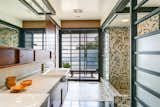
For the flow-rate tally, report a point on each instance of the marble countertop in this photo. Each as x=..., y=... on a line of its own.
x=37, y=93
x=42, y=82
x=22, y=100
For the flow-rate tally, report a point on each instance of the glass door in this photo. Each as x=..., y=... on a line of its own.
x=80, y=50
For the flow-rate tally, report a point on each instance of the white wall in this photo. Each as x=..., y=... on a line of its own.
x=107, y=7
x=10, y=19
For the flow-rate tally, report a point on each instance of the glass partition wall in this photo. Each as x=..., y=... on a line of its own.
x=80, y=51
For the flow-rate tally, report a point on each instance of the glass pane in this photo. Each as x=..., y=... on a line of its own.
x=83, y=54
x=66, y=55
x=148, y=98
x=75, y=36
x=151, y=62
x=37, y=41
x=75, y=39
x=92, y=35
x=28, y=40
x=66, y=39
x=149, y=44
x=66, y=51
x=66, y=43
x=65, y=59
x=152, y=81
x=139, y=105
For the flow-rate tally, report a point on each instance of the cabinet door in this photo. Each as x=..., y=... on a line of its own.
x=7, y=56
x=26, y=56
x=64, y=85
x=56, y=96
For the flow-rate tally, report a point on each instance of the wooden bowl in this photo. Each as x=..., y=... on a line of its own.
x=17, y=88
x=26, y=82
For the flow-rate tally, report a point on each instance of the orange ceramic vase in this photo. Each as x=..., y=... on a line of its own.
x=10, y=81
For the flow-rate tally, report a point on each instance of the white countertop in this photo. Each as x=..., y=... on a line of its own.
x=36, y=94
x=42, y=83
x=22, y=100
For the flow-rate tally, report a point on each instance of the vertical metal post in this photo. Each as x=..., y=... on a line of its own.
x=71, y=36
x=100, y=49
x=133, y=33
x=85, y=52
x=21, y=38
x=43, y=41
x=60, y=48
x=79, y=56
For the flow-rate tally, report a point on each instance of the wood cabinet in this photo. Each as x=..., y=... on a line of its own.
x=26, y=56
x=10, y=56
x=7, y=56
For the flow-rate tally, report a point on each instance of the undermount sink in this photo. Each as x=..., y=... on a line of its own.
x=55, y=72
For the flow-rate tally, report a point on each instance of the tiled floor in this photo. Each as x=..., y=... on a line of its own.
x=83, y=76
x=87, y=104
x=86, y=94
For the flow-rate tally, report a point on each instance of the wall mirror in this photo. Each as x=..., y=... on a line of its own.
x=9, y=36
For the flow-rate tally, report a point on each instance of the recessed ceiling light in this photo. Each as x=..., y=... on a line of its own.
x=77, y=10
x=125, y=20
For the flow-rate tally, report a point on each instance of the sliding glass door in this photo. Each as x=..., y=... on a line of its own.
x=80, y=50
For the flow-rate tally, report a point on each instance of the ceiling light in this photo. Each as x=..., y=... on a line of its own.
x=125, y=20
x=77, y=10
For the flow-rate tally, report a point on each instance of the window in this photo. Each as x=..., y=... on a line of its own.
x=38, y=40
x=80, y=50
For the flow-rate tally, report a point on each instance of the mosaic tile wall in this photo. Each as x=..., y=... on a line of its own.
x=122, y=101
x=119, y=59
x=149, y=25
x=9, y=37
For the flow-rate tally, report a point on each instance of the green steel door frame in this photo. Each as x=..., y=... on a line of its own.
x=133, y=33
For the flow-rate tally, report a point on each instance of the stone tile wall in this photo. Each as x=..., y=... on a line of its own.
x=122, y=101
x=119, y=59
x=149, y=25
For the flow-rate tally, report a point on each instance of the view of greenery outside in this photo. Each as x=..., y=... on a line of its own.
x=80, y=52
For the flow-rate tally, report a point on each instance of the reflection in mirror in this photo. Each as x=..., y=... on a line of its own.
x=8, y=36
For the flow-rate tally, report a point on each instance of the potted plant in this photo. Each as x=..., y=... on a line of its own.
x=66, y=65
